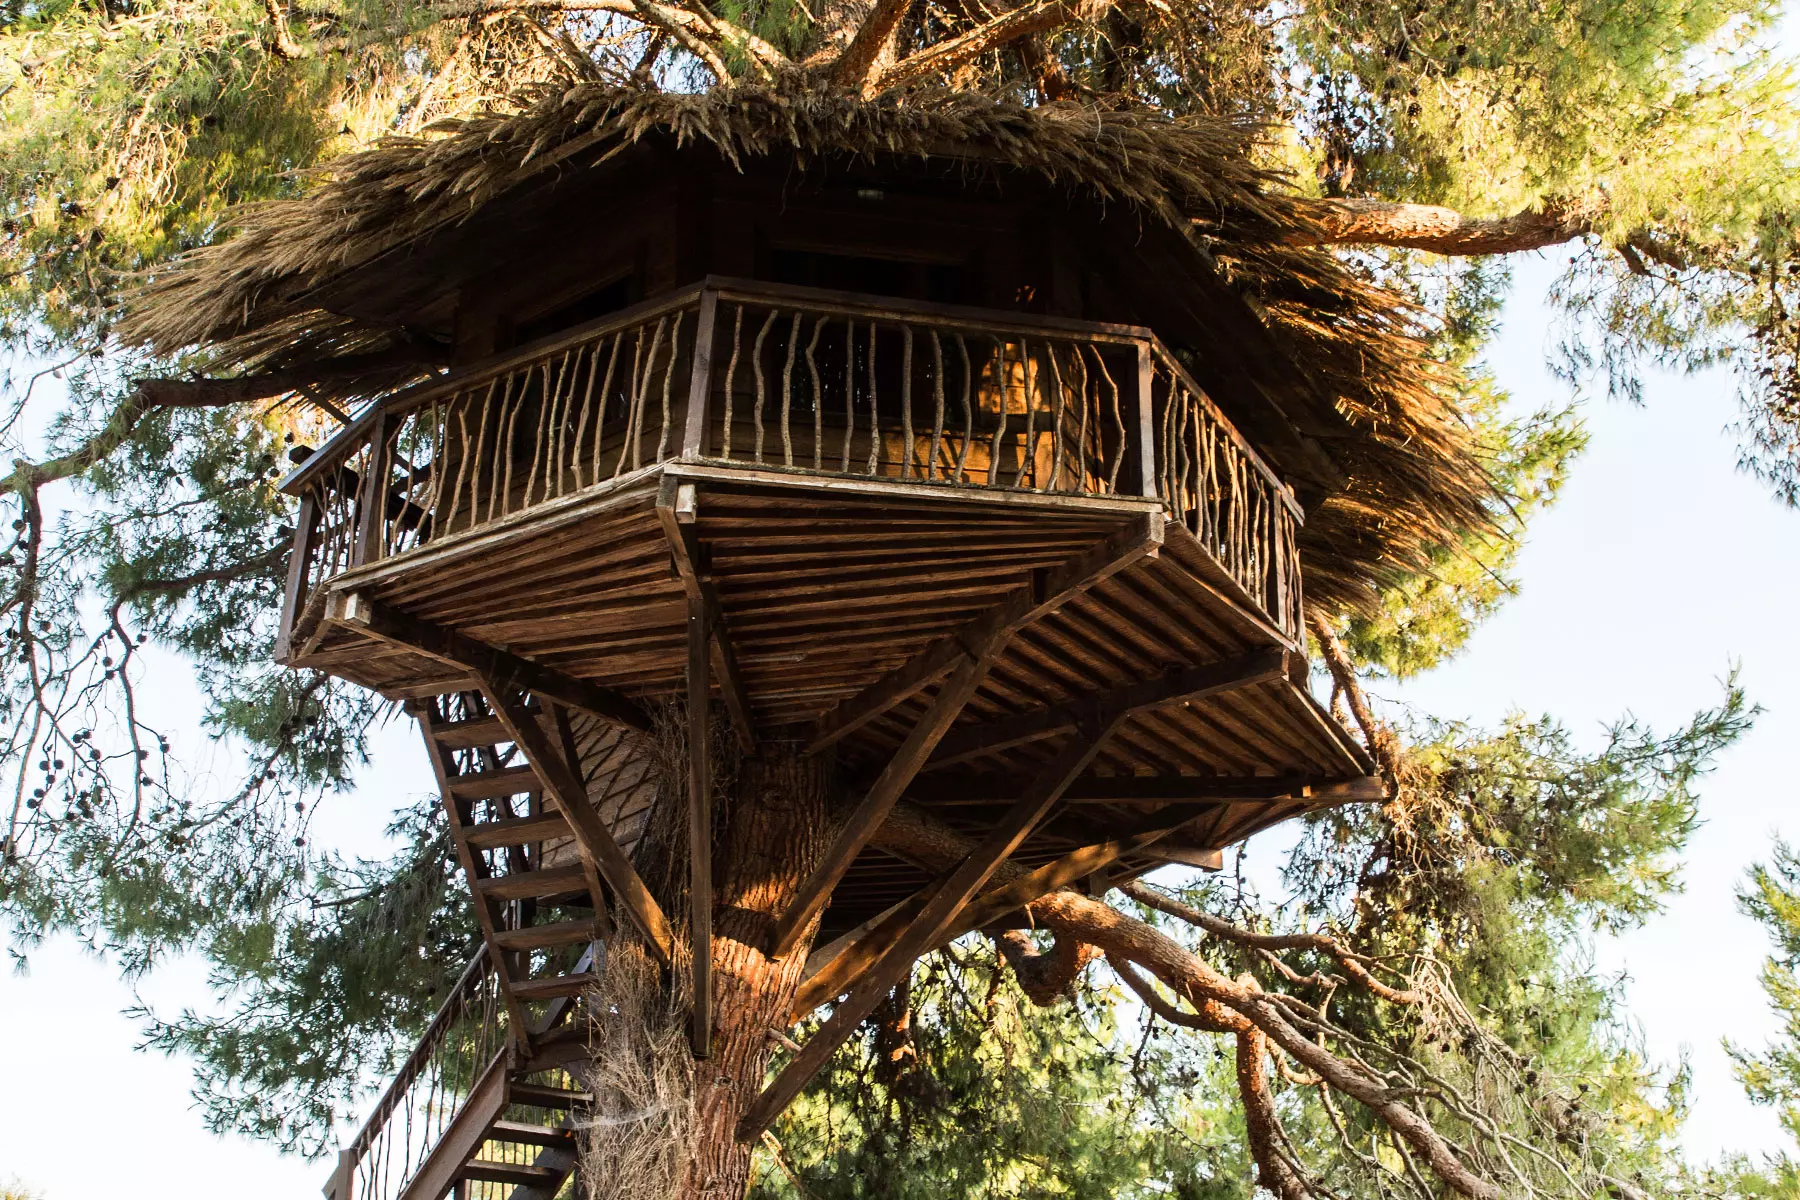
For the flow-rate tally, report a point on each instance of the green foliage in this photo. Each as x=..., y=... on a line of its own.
x=960, y=1087
x=1508, y=849
x=1427, y=618
x=1772, y=1076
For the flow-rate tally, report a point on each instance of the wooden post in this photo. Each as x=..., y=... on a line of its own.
x=342, y=1184
x=370, y=509
x=1146, y=376
x=695, y=441
x=700, y=821
x=306, y=534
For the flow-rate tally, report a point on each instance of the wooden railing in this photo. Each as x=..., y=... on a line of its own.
x=794, y=379
x=1217, y=485
x=463, y=1049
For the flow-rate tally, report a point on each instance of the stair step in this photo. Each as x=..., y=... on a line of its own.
x=491, y=785
x=482, y=731
x=554, y=987
x=516, y=1174
x=523, y=1132
x=538, y=1095
x=534, y=885
x=516, y=831
x=543, y=937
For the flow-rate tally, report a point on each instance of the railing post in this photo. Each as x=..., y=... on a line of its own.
x=371, y=510
x=695, y=440
x=306, y=536
x=1146, y=379
x=342, y=1184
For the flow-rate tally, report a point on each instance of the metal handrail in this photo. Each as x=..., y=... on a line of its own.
x=443, y=1103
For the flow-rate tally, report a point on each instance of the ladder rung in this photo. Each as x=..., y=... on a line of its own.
x=517, y=1174
x=536, y=1095
x=516, y=831
x=525, y=1133
x=543, y=937
x=491, y=785
x=529, y=885
x=482, y=731
x=555, y=987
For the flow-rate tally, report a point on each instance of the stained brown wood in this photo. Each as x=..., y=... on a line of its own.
x=593, y=839
x=700, y=823
x=893, y=780
x=490, y=662
x=934, y=918
x=1176, y=687
x=675, y=507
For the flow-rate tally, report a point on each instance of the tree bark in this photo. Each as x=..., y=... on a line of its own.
x=1441, y=230
x=778, y=826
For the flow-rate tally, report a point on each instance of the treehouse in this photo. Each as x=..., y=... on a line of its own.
x=989, y=454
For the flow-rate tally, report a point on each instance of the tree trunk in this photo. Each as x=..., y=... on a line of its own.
x=777, y=826
x=666, y=1125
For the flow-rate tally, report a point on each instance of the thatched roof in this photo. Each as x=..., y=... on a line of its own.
x=1405, y=476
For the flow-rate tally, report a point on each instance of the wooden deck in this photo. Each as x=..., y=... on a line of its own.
x=828, y=588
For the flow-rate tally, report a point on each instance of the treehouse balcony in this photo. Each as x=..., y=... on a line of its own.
x=858, y=493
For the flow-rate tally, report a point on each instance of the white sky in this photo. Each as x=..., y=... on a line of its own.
x=1659, y=568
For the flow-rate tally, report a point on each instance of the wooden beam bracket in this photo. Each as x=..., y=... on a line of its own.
x=949, y=897
x=489, y=663
x=677, y=508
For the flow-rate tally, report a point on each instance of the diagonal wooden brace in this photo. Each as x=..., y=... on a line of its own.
x=562, y=783
x=976, y=648
x=936, y=917
x=1140, y=540
x=484, y=661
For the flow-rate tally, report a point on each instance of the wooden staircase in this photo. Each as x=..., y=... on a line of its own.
x=485, y=1108
x=538, y=903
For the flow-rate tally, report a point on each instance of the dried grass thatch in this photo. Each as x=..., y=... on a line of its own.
x=641, y=1076
x=1407, y=477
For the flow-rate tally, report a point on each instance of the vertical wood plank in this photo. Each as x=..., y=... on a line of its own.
x=1146, y=422
x=694, y=443
x=306, y=538
x=700, y=892
x=370, y=510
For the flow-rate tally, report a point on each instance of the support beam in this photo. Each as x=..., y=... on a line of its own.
x=1176, y=687
x=1162, y=789
x=841, y=971
x=882, y=796
x=1072, y=867
x=562, y=782
x=700, y=825
x=489, y=663
x=937, y=916
x=677, y=507
x=1141, y=540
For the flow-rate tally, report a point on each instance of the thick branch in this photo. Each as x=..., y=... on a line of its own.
x=1024, y=21
x=1044, y=977
x=914, y=834
x=1262, y=1123
x=1442, y=230
x=856, y=67
x=709, y=28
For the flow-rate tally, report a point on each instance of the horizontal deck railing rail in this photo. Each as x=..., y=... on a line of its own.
x=794, y=379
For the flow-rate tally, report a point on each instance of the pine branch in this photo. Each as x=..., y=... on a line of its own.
x=1443, y=230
